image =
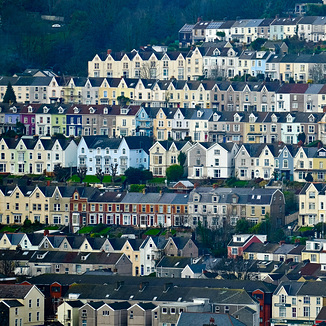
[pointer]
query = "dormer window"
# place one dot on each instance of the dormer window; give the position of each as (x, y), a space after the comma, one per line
(105, 111)
(311, 118)
(60, 109)
(199, 113)
(91, 110)
(30, 109)
(45, 110)
(76, 110)
(289, 118)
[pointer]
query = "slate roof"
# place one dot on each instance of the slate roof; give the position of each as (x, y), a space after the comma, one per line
(119, 305)
(291, 288)
(284, 249)
(146, 305)
(312, 289)
(322, 314)
(162, 294)
(255, 196)
(197, 268)
(74, 303)
(174, 262)
(102, 142)
(262, 247)
(204, 318)
(134, 281)
(12, 303)
(75, 257)
(14, 291)
(139, 142)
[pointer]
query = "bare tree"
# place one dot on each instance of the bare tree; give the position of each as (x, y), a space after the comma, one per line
(113, 171)
(7, 267)
(216, 72)
(145, 70)
(81, 173)
(317, 72)
(100, 175)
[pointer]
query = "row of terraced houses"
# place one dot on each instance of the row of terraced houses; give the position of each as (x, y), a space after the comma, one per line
(245, 31)
(78, 206)
(204, 160)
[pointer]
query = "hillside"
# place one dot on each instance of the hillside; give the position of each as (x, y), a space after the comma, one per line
(89, 27)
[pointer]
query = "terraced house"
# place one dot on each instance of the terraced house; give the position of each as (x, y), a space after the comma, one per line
(215, 207)
(36, 155)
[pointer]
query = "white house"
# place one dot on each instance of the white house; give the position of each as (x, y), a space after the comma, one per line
(102, 153)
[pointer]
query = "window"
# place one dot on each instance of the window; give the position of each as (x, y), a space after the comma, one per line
(234, 251)
(306, 300)
(306, 311)
(294, 312)
(282, 312)
(282, 298)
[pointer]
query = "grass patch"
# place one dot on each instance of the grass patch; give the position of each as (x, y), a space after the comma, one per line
(136, 188)
(86, 229)
(94, 179)
(9, 228)
(105, 231)
(238, 183)
(52, 227)
(305, 228)
(153, 232)
(173, 232)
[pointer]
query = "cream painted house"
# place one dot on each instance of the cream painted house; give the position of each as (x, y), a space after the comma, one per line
(164, 154)
(23, 304)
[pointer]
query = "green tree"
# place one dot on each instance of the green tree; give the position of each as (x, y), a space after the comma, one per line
(59, 172)
(242, 226)
(10, 96)
(302, 137)
(133, 175)
(309, 177)
(182, 158)
(174, 172)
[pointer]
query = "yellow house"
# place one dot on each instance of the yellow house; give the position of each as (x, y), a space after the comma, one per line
(131, 250)
(162, 127)
(303, 163)
(286, 70)
(319, 165)
(312, 201)
(125, 121)
(252, 132)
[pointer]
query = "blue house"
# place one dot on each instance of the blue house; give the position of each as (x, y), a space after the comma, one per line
(144, 121)
(74, 122)
(284, 166)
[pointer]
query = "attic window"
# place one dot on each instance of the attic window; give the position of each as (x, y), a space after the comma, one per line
(30, 109)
